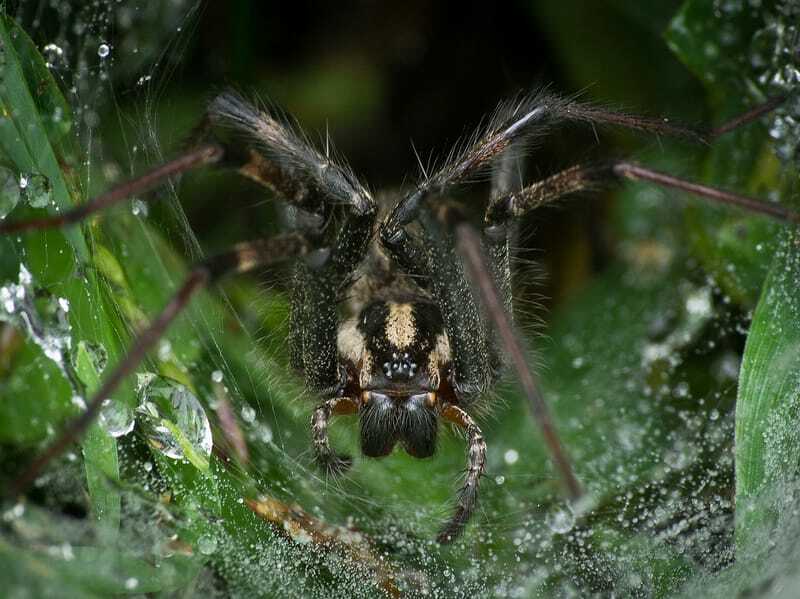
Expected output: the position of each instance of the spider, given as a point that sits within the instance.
(384, 323)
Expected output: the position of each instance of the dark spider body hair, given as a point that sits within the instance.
(384, 322)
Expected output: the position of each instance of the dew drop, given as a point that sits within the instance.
(511, 456)
(116, 418)
(37, 190)
(103, 50)
(173, 420)
(207, 544)
(216, 376)
(139, 208)
(560, 520)
(248, 414)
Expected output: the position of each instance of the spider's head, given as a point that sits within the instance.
(397, 355)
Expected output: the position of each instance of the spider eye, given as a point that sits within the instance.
(400, 366)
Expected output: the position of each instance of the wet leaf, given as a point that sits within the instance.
(767, 409)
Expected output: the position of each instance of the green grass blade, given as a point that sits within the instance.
(99, 454)
(767, 441)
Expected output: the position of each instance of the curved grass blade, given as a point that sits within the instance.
(767, 432)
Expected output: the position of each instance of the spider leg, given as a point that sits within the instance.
(476, 463)
(330, 461)
(276, 154)
(469, 244)
(201, 155)
(522, 121)
(242, 258)
(471, 355)
(592, 177)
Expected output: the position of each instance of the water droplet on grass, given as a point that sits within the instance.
(43, 318)
(103, 50)
(248, 414)
(173, 420)
(37, 190)
(116, 418)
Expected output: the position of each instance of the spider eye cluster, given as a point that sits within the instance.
(401, 366)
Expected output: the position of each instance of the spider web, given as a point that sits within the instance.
(656, 517)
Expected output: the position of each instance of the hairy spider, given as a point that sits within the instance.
(410, 345)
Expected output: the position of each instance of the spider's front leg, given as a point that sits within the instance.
(329, 460)
(476, 452)
(277, 156)
(473, 362)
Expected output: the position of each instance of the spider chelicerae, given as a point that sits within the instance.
(384, 323)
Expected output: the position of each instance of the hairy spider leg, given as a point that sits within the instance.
(242, 258)
(528, 118)
(469, 244)
(201, 155)
(581, 178)
(332, 462)
(468, 494)
(280, 158)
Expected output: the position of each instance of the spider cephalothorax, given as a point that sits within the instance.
(396, 355)
(413, 346)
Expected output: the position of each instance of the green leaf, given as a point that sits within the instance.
(768, 405)
(99, 453)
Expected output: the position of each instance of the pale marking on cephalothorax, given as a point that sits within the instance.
(365, 372)
(437, 360)
(401, 327)
(350, 342)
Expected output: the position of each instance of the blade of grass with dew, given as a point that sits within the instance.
(99, 454)
(31, 138)
(767, 438)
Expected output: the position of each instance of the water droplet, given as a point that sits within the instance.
(248, 414)
(698, 303)
(511, 456)
(116, 418)
(37, 190)
(14, 512)
(164, 350)
(131, 583)
(264, 433)
(173, 420)
(43, 317)
(53, 55)
(216, 376)
(560, 520)
(207, 544)
(499, 480)
(139, 208)
(103, 50)
(9, 191)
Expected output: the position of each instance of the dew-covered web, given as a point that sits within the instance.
(210, 442)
